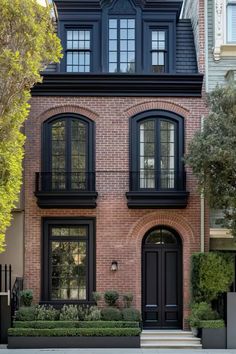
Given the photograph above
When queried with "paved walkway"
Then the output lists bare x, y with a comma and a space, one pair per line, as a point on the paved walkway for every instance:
114, 351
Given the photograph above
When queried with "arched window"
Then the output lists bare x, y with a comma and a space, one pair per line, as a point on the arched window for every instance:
68, 161
157, 149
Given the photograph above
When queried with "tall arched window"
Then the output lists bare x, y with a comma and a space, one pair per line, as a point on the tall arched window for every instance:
157, 148
68, 161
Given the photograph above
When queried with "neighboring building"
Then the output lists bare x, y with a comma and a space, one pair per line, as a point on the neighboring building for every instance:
104, 181
220, 44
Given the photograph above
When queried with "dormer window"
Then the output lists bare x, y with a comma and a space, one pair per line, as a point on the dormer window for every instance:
158, 51
122, 45
78, 50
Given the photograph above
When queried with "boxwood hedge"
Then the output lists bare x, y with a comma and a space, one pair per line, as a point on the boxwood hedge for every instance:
75, 324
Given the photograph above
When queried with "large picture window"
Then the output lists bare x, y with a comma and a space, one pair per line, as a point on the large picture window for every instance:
156, 151
68, 260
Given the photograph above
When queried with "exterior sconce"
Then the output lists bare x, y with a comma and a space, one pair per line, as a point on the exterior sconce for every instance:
114, 266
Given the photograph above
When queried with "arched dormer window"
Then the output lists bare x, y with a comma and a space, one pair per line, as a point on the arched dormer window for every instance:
68, 153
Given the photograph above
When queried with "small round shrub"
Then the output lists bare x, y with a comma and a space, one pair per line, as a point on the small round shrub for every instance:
69, 313
131, 314
111, 297
128, 299
96, 297
200, 312
46, 313
26, 314
26, 297
111, 314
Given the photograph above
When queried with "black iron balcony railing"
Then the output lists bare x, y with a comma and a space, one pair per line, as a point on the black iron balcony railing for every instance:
70, 182
162, 180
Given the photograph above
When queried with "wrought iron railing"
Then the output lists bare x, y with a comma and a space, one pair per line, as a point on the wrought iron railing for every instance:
153, 180
15, 294
65, 182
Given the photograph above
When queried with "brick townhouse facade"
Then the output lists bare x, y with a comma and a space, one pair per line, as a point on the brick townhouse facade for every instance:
108, 202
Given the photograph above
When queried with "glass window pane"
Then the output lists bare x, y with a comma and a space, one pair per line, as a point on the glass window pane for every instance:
113, 23
124, 23
146, 152
231, 23
112, 45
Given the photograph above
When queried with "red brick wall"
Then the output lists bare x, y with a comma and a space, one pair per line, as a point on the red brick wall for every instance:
119, 230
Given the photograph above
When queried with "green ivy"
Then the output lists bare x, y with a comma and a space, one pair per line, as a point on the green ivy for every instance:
212, 275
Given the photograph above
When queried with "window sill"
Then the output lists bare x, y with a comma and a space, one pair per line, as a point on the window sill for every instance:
157, 199
83, 200
220, 232
228, 50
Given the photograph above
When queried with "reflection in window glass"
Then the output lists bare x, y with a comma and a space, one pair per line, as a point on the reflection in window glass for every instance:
167, 154
231, 23
147, 155
122, 45
161, 236
68, 264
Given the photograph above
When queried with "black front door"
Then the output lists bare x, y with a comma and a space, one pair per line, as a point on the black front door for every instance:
162, 279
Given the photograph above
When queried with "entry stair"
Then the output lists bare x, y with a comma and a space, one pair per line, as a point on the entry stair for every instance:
169, 339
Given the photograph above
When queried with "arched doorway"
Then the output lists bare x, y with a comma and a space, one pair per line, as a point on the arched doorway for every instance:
162, 278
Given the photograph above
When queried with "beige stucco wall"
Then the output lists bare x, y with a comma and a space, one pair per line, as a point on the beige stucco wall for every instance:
14, 245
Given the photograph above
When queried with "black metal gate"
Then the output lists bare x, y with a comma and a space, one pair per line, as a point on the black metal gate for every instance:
5, 301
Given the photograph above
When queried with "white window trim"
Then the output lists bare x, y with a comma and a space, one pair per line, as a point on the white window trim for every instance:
221, 47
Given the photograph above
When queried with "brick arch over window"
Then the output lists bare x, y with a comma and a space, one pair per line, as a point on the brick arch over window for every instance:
157, 105
188, 237
66, 109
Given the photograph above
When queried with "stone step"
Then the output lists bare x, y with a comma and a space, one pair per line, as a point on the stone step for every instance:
169, 338
173, 345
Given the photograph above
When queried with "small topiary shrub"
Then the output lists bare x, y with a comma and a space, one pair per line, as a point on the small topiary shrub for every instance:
212, 324
111, 297
94, 314
111, 314
200, 312
26, 314
69, 313
46, 313
96, 297
131, 314
26, 297
128, 299
212, 275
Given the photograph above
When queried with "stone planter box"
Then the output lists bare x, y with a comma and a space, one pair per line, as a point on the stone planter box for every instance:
214, 338
72, 342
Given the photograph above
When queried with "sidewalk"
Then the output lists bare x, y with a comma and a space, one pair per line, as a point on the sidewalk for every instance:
114, 351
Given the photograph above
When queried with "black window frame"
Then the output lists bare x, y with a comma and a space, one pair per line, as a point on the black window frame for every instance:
170, 52
158, 115
90, 145
48, 223
83, 24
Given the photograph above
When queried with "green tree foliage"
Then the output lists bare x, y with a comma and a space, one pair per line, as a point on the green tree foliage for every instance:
212, 275
212, 154
27, 45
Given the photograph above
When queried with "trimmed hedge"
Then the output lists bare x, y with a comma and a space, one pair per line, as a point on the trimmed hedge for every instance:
75, 324
212, 324
71, 332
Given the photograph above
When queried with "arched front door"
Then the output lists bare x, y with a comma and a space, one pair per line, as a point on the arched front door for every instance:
162, 279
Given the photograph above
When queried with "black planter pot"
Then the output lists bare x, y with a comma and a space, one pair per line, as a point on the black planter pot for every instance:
72, 342
214, 338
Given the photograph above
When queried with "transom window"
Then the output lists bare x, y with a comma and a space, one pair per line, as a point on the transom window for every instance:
122, 45
161, 236
78, 50
157, 150
158, 51
231, 22
68, 155
68, 260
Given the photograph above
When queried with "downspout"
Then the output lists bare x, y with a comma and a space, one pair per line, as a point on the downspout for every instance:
202, 202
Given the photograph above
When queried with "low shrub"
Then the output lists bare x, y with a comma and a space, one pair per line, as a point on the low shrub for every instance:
212, 324
69, 313
131, 314
94, 314
26, 314
46, 313
111, 314
111, 297
70, 332
75, 324
128, 299
26, 297
202, 311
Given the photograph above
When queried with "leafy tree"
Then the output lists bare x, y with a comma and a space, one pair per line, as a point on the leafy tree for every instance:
212, 154
27, 45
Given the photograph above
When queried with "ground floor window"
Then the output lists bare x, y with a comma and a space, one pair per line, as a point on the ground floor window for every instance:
68, 260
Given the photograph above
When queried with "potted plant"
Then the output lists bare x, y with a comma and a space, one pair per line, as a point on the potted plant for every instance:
213, 334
